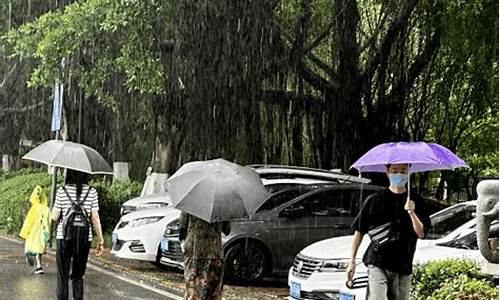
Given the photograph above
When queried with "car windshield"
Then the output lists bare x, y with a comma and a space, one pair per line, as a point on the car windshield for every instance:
283, 196
447, 220
469, 241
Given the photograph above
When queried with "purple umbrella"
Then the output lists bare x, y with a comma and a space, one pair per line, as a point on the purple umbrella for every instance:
422, 157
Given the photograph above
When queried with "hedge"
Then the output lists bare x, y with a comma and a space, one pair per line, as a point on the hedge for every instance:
16, 187
451, 279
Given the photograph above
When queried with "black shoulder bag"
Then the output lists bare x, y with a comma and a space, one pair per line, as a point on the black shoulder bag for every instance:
387, 233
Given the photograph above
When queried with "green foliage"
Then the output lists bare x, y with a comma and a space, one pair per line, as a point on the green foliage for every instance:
15, 190
428, 278
97, 39
16, 187
465, 287
111, 196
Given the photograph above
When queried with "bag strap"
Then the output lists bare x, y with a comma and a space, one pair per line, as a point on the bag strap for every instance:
78, 202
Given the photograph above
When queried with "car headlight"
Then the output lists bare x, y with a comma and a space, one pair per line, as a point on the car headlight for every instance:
143, 221
336, 265
172, 228
151, 205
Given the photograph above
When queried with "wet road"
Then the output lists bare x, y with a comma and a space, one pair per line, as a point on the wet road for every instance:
17, 280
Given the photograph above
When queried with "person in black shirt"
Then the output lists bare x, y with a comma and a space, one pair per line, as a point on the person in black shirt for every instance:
390, 266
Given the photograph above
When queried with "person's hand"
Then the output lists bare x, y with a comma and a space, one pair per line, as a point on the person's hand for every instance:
410, 206
351, 269
99, 248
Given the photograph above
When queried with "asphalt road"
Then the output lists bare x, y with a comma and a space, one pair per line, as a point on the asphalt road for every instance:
17, 280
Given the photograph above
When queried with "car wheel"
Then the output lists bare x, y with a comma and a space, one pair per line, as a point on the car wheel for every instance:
245, 263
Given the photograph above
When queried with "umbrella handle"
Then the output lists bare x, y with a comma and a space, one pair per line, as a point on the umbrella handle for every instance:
409, 186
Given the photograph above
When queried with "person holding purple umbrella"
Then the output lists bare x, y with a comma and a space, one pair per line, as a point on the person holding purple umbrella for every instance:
389, 257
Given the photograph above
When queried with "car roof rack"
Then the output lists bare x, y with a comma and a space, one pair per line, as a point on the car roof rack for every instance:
269, 170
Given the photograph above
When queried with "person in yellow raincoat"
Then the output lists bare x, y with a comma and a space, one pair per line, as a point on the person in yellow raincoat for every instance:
36, 228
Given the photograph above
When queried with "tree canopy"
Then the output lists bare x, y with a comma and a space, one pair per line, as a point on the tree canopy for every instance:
306, 82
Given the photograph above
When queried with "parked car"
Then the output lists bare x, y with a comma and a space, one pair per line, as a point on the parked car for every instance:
141, 241
273, 177
137, 234
287, 221
145, 202
318, 271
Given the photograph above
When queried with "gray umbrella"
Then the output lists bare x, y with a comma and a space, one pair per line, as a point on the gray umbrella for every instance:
70, 155
216, 190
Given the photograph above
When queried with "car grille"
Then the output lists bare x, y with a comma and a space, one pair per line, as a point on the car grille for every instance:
174, 251
303, 266
137, 246
317, 296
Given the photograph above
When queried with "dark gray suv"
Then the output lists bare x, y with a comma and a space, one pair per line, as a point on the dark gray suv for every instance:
287, 221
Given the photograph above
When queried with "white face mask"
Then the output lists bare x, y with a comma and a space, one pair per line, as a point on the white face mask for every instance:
398, 180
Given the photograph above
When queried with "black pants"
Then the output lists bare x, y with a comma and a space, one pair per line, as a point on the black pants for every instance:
71, 255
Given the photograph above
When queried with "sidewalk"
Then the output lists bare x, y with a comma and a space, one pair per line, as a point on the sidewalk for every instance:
17, 280
172, 281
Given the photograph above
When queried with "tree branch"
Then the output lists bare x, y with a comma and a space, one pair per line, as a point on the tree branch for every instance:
421, 61
394, 29
7, 76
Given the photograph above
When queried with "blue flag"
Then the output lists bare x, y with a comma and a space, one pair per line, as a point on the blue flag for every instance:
57, 107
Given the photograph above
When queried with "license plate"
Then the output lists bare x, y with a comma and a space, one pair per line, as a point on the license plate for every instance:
346, 296
114, 239
295, 290
164, 245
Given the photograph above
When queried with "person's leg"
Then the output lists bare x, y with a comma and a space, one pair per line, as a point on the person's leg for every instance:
377, 284
398, 286
78, 268
404, 285
213, 276
191, 278
63, 259
38, 258
29, 259
38, 268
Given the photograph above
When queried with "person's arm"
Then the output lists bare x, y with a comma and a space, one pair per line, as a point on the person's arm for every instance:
57, 207
28, 223
56, 213
96, 224
418, 227
356, 241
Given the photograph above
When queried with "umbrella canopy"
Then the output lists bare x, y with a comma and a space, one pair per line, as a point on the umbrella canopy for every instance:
69, 155
216, 190
422, 157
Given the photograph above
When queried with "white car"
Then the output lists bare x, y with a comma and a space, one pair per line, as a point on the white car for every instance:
144, 202
137, 234
318, 271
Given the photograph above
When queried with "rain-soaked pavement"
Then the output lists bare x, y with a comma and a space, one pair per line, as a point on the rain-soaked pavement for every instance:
17, 280
109, 277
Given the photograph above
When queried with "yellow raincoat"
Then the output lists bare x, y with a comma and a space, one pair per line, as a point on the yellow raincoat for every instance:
36, 227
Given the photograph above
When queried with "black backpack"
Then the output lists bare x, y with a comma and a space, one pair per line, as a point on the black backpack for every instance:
76, 222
